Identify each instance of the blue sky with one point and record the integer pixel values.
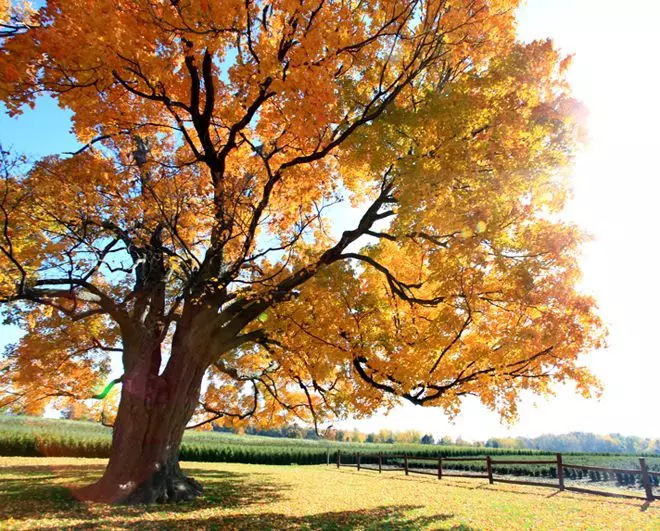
(616, 189)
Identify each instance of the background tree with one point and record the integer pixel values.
(385, 436)
(190, 233)
(428, 439)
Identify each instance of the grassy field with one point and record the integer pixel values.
(34, 495)
(35, 437)
(91, 433)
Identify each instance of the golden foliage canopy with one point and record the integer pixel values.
(217, 137)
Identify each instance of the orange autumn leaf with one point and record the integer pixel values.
(191, 233)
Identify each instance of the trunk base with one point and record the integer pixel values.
(166, 485)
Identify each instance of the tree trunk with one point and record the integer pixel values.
(152, 415)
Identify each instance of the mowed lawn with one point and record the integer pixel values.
(34, 495)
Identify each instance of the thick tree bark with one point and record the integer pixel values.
(153, 413)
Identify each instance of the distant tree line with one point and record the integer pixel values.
(580, 442)
(355, 435)
(569, 442)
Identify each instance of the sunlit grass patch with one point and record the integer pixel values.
(34, 494)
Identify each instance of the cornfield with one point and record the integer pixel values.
(34, 437)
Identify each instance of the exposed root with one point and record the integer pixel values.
(166, 485)
(164, 488)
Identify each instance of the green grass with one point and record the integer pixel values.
(35, 437)
(34, 494)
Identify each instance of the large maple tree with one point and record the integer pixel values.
(192, 232)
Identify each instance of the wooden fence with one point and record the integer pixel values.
(643, 471)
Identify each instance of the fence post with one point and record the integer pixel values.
(405, 462)
(646, 480)
(560, 472)
(380, 462)
(439, 467)
(489, 468)
(338, 458)
(358, 461)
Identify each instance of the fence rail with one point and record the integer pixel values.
(643, 471)
(501, 462)
(463, 458)
(604, 469)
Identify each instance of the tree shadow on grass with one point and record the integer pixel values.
(26, 491)
(394, 517)
(36, 496)
(232, 489)
(60, 470)
(566, 495)
(41, 492)
(500, 487)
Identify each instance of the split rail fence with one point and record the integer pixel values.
(438, 472)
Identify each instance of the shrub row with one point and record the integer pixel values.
(540, 471)
(23, 436)
(26, 446)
